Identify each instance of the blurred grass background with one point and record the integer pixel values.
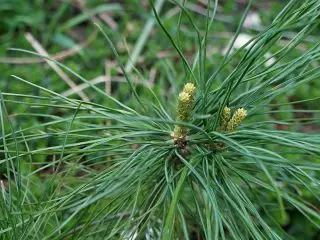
(65, 30)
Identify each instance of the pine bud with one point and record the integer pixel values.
(185, 105)
(189, 88)
(226, 115)
(236, 119)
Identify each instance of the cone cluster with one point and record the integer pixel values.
(228, 123)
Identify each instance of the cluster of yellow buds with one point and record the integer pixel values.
(225, 117)
(228, 124)
(185, 105)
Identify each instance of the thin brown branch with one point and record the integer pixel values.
(102, 79)
(58, 56)
(37, 46)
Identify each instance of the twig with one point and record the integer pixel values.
(59, 56)
(104, 16)
(101, 79)
(152, 75)
(37, 46)
(108, 65)
(108, 20)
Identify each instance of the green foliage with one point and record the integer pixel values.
(109, 168)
